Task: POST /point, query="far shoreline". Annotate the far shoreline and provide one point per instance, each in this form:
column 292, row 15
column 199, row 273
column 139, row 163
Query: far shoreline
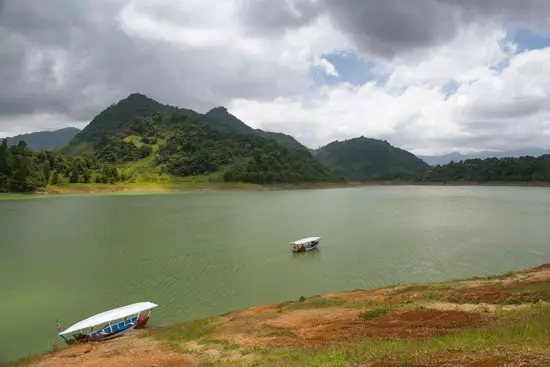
column 240, row 186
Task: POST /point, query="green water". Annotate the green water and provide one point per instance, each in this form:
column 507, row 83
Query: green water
column 205, row 253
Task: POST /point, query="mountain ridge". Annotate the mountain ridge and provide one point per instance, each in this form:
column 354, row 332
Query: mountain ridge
column 457, row 156
column 362, row 159
column 48, row 139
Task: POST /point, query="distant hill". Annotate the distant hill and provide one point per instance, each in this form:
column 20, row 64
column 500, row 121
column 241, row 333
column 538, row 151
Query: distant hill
column 150, row 140
column 45, row 139
column 520, row 169
column 223, row 120
column 457, row 157
column 362, row 159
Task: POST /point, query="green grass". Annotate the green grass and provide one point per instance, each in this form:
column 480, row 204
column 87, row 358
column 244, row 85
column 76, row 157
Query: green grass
column 535, row 288
column 432, row 296
column 269, row 330
column 377, row 312
column 313, row 304
column 507, row 275
column 526, row 329
column 185, row 332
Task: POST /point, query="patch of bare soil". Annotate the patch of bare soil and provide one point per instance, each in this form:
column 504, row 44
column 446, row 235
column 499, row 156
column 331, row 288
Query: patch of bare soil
column 323, row 327
column 501, row 293
column 129, row 350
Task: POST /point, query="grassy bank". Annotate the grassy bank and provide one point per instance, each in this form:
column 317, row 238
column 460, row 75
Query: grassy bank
column 192, row 185
column 489, row 321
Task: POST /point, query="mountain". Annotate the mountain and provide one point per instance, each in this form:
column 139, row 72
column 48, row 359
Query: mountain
column 150, row 140
column 110, row 120
column 362, row 159
column 223, row 120
column 457, row 157
column 45, row 139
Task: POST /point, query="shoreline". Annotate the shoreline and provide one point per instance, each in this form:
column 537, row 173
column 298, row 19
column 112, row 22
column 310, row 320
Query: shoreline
column 238, row 186
column 471, row 322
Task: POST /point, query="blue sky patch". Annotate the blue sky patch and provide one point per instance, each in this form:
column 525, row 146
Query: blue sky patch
column 528, row 40
column 351, row 69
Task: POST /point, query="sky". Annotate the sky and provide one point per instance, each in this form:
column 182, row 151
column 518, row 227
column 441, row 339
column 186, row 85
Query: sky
column 429, row 76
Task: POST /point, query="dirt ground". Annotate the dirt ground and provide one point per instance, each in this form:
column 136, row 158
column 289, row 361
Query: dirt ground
column 407, row 313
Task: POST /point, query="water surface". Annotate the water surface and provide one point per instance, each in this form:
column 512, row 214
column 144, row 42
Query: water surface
column 204, row 253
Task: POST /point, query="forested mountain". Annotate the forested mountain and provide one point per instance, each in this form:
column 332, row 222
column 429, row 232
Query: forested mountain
column 111, row 120
column 223, row 120
column 165, row 140
column 492, row 169
column 45, row 139
column 457, row 157
column 362, row 159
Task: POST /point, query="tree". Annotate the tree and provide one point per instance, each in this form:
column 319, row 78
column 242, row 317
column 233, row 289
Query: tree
column 46, row 170
column 86, row 176
column 55, row 178
column 73, row 178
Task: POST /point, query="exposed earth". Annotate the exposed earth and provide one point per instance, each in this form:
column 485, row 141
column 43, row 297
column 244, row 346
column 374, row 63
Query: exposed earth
column 496, row 321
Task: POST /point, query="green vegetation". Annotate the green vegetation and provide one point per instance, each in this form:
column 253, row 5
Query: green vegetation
column 314, row 303
column 372, row 314
column 45, row 139
column 363, row 159
column 507, row 275
column 534, row 288
column 186, row 331
column 526, row 329
column 522, row 169
column 220, row 118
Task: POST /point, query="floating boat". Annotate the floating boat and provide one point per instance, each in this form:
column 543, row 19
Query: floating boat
column 305, row 244
column 115, row 323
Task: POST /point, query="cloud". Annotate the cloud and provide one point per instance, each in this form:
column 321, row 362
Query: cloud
column 442, row 74
column 489, row 109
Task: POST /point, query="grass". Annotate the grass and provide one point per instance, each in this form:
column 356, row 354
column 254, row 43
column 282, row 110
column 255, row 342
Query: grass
column 527, row 329
column 314, row 303
column 535, row 288
column 507, row 275
column 269, row 330
column 377, row 312
column 185, row 332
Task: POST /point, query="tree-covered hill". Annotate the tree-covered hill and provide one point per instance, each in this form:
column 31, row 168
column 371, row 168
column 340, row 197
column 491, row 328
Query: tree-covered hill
column 45, row 139
column 521, row 169
column 362, row 159
column 223, row 120
column 145, row 138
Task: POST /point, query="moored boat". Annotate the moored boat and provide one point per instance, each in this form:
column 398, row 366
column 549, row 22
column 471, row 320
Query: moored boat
column 305, row 244
column 115, row 323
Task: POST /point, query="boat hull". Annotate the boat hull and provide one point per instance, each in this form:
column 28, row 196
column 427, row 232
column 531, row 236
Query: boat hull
column 298, row 249
column 140, row 324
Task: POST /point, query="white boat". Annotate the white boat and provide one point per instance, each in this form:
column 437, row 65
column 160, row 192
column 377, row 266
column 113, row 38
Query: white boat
column 112, row 323
column 305, row 244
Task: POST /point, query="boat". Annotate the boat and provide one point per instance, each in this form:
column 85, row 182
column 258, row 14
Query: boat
column 305, row 244
column 109, row 324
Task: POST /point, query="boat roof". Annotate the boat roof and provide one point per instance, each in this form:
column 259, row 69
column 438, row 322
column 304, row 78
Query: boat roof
column 108, row 316
column 306, row 240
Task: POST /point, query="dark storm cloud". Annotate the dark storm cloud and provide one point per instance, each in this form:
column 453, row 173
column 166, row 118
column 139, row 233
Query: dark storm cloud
column 73, row 58
column 392, row 27
column 273, row 17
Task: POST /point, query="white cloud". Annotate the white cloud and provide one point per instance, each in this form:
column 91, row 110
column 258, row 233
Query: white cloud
column 490, row 109
column 37, row 122
column 442, row 93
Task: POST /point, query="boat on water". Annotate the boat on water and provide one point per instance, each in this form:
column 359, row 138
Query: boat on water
column 305, row 244
column 109, row 324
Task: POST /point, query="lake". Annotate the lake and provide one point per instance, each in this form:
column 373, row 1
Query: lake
column 204, row 253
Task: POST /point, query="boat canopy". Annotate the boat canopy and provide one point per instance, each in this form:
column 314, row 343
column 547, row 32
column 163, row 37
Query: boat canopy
column 306, row 240
column 111, row 315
